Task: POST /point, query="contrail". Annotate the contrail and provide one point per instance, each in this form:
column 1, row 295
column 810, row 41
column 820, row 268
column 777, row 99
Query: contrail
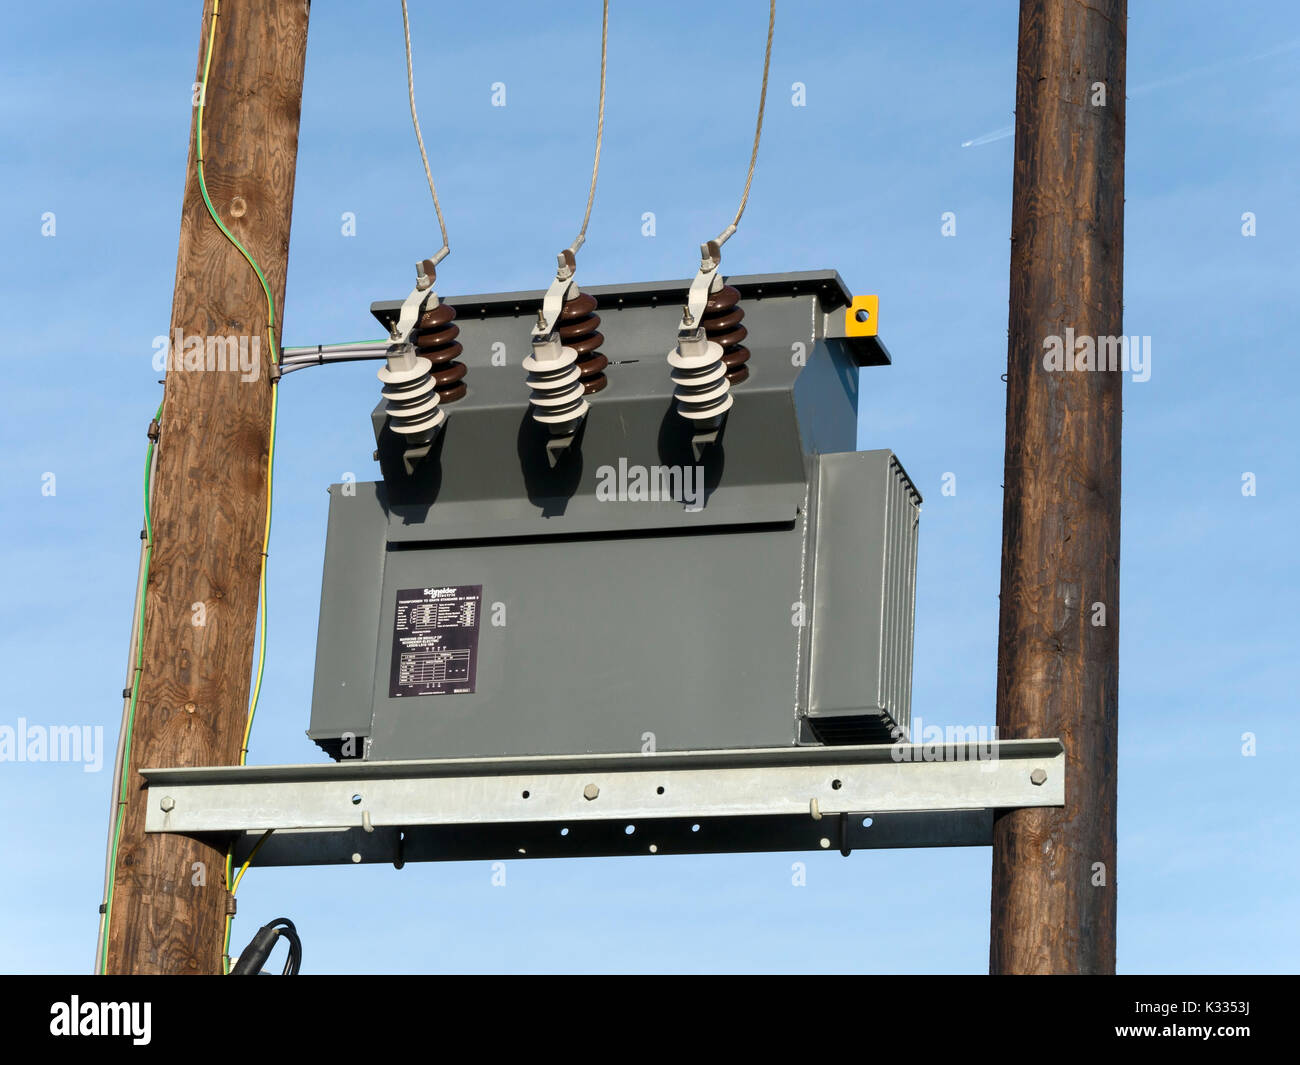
column 1174, row 79
column 989, row 138
column 1211, row 68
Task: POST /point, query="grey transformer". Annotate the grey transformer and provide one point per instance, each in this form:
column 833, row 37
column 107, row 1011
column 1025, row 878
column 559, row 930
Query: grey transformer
column 639, row 592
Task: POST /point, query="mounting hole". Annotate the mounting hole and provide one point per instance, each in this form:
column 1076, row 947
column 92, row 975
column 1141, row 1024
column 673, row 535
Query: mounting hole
column 525, row 794
column 629, row 830
column 837, row 784
column 866, row 822
column 862, row 315
column 695, row 828
column 564, row 832
column 356, row 800
column 659, row 790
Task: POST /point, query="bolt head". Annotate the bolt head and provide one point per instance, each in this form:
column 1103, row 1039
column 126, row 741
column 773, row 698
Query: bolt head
column 1038, row 776
column 590, row 791
column 168, row 804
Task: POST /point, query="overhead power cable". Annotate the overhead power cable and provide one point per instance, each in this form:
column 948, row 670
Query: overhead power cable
column 445, row 250
column 600, row 129
column 758, row 129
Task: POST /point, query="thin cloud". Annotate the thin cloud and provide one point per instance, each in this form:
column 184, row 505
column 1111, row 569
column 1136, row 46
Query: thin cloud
column 1163, row 83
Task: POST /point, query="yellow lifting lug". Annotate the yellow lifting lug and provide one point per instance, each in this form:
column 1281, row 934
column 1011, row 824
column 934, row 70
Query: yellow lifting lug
column 861, row 317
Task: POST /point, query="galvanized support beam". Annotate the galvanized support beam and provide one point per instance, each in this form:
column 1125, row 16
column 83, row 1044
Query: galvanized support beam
column 796, row 798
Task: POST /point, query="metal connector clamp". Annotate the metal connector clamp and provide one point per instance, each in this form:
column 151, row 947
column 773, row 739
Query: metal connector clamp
column 703, row 393
column 557, row 392
column 407, row 376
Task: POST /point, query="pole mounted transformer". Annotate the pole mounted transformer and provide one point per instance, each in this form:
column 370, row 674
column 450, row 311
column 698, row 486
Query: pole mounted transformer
column 639, row 589
column 644, row 597
column 639, row 635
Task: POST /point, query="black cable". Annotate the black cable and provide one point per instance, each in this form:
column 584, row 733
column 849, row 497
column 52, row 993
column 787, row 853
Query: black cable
column 293, row 962
column 255, row 955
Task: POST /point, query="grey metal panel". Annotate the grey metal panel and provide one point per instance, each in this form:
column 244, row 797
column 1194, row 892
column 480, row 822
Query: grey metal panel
column 847, row 559
column 687, row 637
column 910, row 507
column 493, row 458
column 354, row 573
column 863, row 557
column 826, row 398
column 586, row 515
column 896, row 520
column 640, row 621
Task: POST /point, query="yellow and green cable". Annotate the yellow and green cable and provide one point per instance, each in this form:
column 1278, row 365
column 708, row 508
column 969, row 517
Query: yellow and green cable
column 135, row 694
column 233, row 884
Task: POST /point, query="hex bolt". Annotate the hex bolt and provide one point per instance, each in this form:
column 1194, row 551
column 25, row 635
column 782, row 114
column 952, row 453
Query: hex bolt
column 168, row 804
column 590, row 791
column 1038, row 776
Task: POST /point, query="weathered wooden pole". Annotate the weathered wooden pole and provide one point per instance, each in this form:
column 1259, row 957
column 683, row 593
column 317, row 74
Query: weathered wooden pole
column 1053, row 899
column 169, row 897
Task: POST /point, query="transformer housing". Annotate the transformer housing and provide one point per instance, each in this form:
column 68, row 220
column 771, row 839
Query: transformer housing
column 642, row 593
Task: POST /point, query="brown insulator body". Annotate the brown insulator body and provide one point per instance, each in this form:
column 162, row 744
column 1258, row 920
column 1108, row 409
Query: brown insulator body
column 722, row 318
column 434, row 337
column 578, row 330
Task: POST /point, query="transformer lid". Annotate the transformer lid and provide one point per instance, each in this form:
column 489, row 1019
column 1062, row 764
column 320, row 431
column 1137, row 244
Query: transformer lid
column 832, row 294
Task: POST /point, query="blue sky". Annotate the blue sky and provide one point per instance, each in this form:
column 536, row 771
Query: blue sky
column 94, row 123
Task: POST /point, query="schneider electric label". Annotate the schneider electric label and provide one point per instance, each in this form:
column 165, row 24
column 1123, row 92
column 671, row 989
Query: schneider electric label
column 435, row 640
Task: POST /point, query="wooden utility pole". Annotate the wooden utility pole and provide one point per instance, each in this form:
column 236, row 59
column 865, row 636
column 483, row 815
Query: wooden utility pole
column 1053, row 901
column 209, row 499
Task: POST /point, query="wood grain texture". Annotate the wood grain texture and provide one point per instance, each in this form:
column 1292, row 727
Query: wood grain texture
column 210, row 491
column 1058, row 673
